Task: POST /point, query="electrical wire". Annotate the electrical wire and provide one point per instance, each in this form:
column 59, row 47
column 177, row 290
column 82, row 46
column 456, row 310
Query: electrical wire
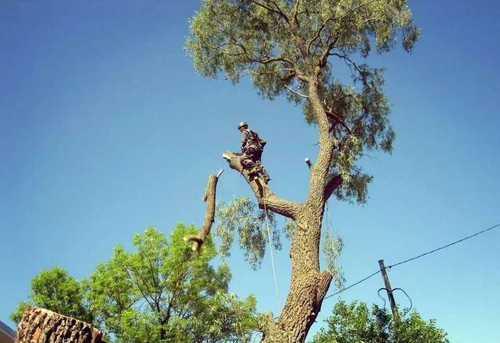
column 415, row 258
column 409, row 298
column 354, row 284
column 444, row 246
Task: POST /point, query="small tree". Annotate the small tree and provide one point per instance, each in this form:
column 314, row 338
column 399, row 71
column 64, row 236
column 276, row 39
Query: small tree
column 355, row 322
column 157, row 293
column 57, row 291
column 297, row 49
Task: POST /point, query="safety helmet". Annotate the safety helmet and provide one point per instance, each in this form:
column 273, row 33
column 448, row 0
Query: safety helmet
column 243, row 124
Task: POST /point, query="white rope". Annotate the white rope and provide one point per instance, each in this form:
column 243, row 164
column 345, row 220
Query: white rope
column 273, row 264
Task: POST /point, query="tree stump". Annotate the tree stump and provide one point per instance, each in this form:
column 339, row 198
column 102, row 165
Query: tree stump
column 44, row 326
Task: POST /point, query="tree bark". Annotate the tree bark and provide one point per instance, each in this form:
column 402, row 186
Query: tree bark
column 44, row 326
column 308, row 285
column 266, row 198
column 210, row 199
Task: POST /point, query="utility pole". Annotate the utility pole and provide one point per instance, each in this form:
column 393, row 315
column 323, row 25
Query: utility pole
column 388, row 288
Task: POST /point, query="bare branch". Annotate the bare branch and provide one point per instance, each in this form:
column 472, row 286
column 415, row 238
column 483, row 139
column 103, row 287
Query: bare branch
column 266, row 198
column 210, row 199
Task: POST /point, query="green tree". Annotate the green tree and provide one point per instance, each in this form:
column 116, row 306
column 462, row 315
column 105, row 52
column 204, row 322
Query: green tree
column 355, row 322
column 56, row 290
column 161, row 291
column 303, row 50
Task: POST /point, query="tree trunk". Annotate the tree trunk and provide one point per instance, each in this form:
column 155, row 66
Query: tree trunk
column 44, row 326
column 308, row 287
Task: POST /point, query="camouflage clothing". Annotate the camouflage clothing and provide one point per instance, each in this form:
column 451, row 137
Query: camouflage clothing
column 252, row 147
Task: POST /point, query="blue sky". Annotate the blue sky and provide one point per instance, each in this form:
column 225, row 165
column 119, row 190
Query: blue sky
column 106, row 129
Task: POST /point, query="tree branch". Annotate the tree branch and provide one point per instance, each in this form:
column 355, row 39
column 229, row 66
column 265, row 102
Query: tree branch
column 266, row 198
column 333, row 183
column 276, row 10
column 296, row 13
column 318, row 34
column 324, row 57
column 274, row 59
column 320, row 170
column 296, row 92
column 210, row 199
column 349, row 61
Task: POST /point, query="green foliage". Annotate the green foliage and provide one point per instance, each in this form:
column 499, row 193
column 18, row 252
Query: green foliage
column 56, row 290
column 161, row 291
column 332, row 248
column 277, row 42
column 355, row 322
column 242, row 216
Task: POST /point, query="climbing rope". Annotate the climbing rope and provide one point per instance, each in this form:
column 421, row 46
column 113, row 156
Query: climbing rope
column 273, row 264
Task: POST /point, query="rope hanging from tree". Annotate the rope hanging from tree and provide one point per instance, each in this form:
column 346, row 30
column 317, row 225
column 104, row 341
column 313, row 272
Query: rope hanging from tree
column 273, row 263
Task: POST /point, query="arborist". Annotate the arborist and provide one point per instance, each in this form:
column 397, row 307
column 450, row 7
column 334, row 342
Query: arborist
column 252, row 147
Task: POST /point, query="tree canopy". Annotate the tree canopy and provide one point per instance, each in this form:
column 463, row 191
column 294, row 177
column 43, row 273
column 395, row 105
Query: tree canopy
column 355, row 322
column 58, row 291
column 160, row 292
column 282, row 44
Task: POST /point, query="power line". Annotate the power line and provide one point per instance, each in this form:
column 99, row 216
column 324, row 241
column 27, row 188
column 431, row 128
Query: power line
column 445, row 246
column 354, row 284
column 415, row 258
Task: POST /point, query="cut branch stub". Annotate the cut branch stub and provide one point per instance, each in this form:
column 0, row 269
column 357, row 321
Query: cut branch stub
column 43, row 326
column 210, row 199
column 266, row 198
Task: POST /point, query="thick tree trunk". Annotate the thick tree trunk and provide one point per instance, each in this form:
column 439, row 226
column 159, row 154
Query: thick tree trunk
column 44, row 326
column 309, row 285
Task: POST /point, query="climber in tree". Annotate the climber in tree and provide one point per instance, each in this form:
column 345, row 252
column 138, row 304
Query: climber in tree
column 252, row 147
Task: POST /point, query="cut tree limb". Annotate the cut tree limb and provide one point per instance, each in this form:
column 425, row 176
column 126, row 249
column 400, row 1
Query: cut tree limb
column 210, row 199
column 265, row 197
column 43, row 326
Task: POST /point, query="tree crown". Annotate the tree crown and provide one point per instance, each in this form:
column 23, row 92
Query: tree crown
column 283, row 45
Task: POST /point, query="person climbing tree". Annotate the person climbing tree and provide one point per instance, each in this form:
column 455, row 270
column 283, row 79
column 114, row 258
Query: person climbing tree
column 252, row 147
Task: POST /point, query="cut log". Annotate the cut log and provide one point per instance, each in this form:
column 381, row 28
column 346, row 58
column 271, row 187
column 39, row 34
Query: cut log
column 43, row 326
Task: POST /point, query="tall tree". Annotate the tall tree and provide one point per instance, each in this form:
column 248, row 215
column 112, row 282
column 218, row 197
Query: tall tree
column 297, row 49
